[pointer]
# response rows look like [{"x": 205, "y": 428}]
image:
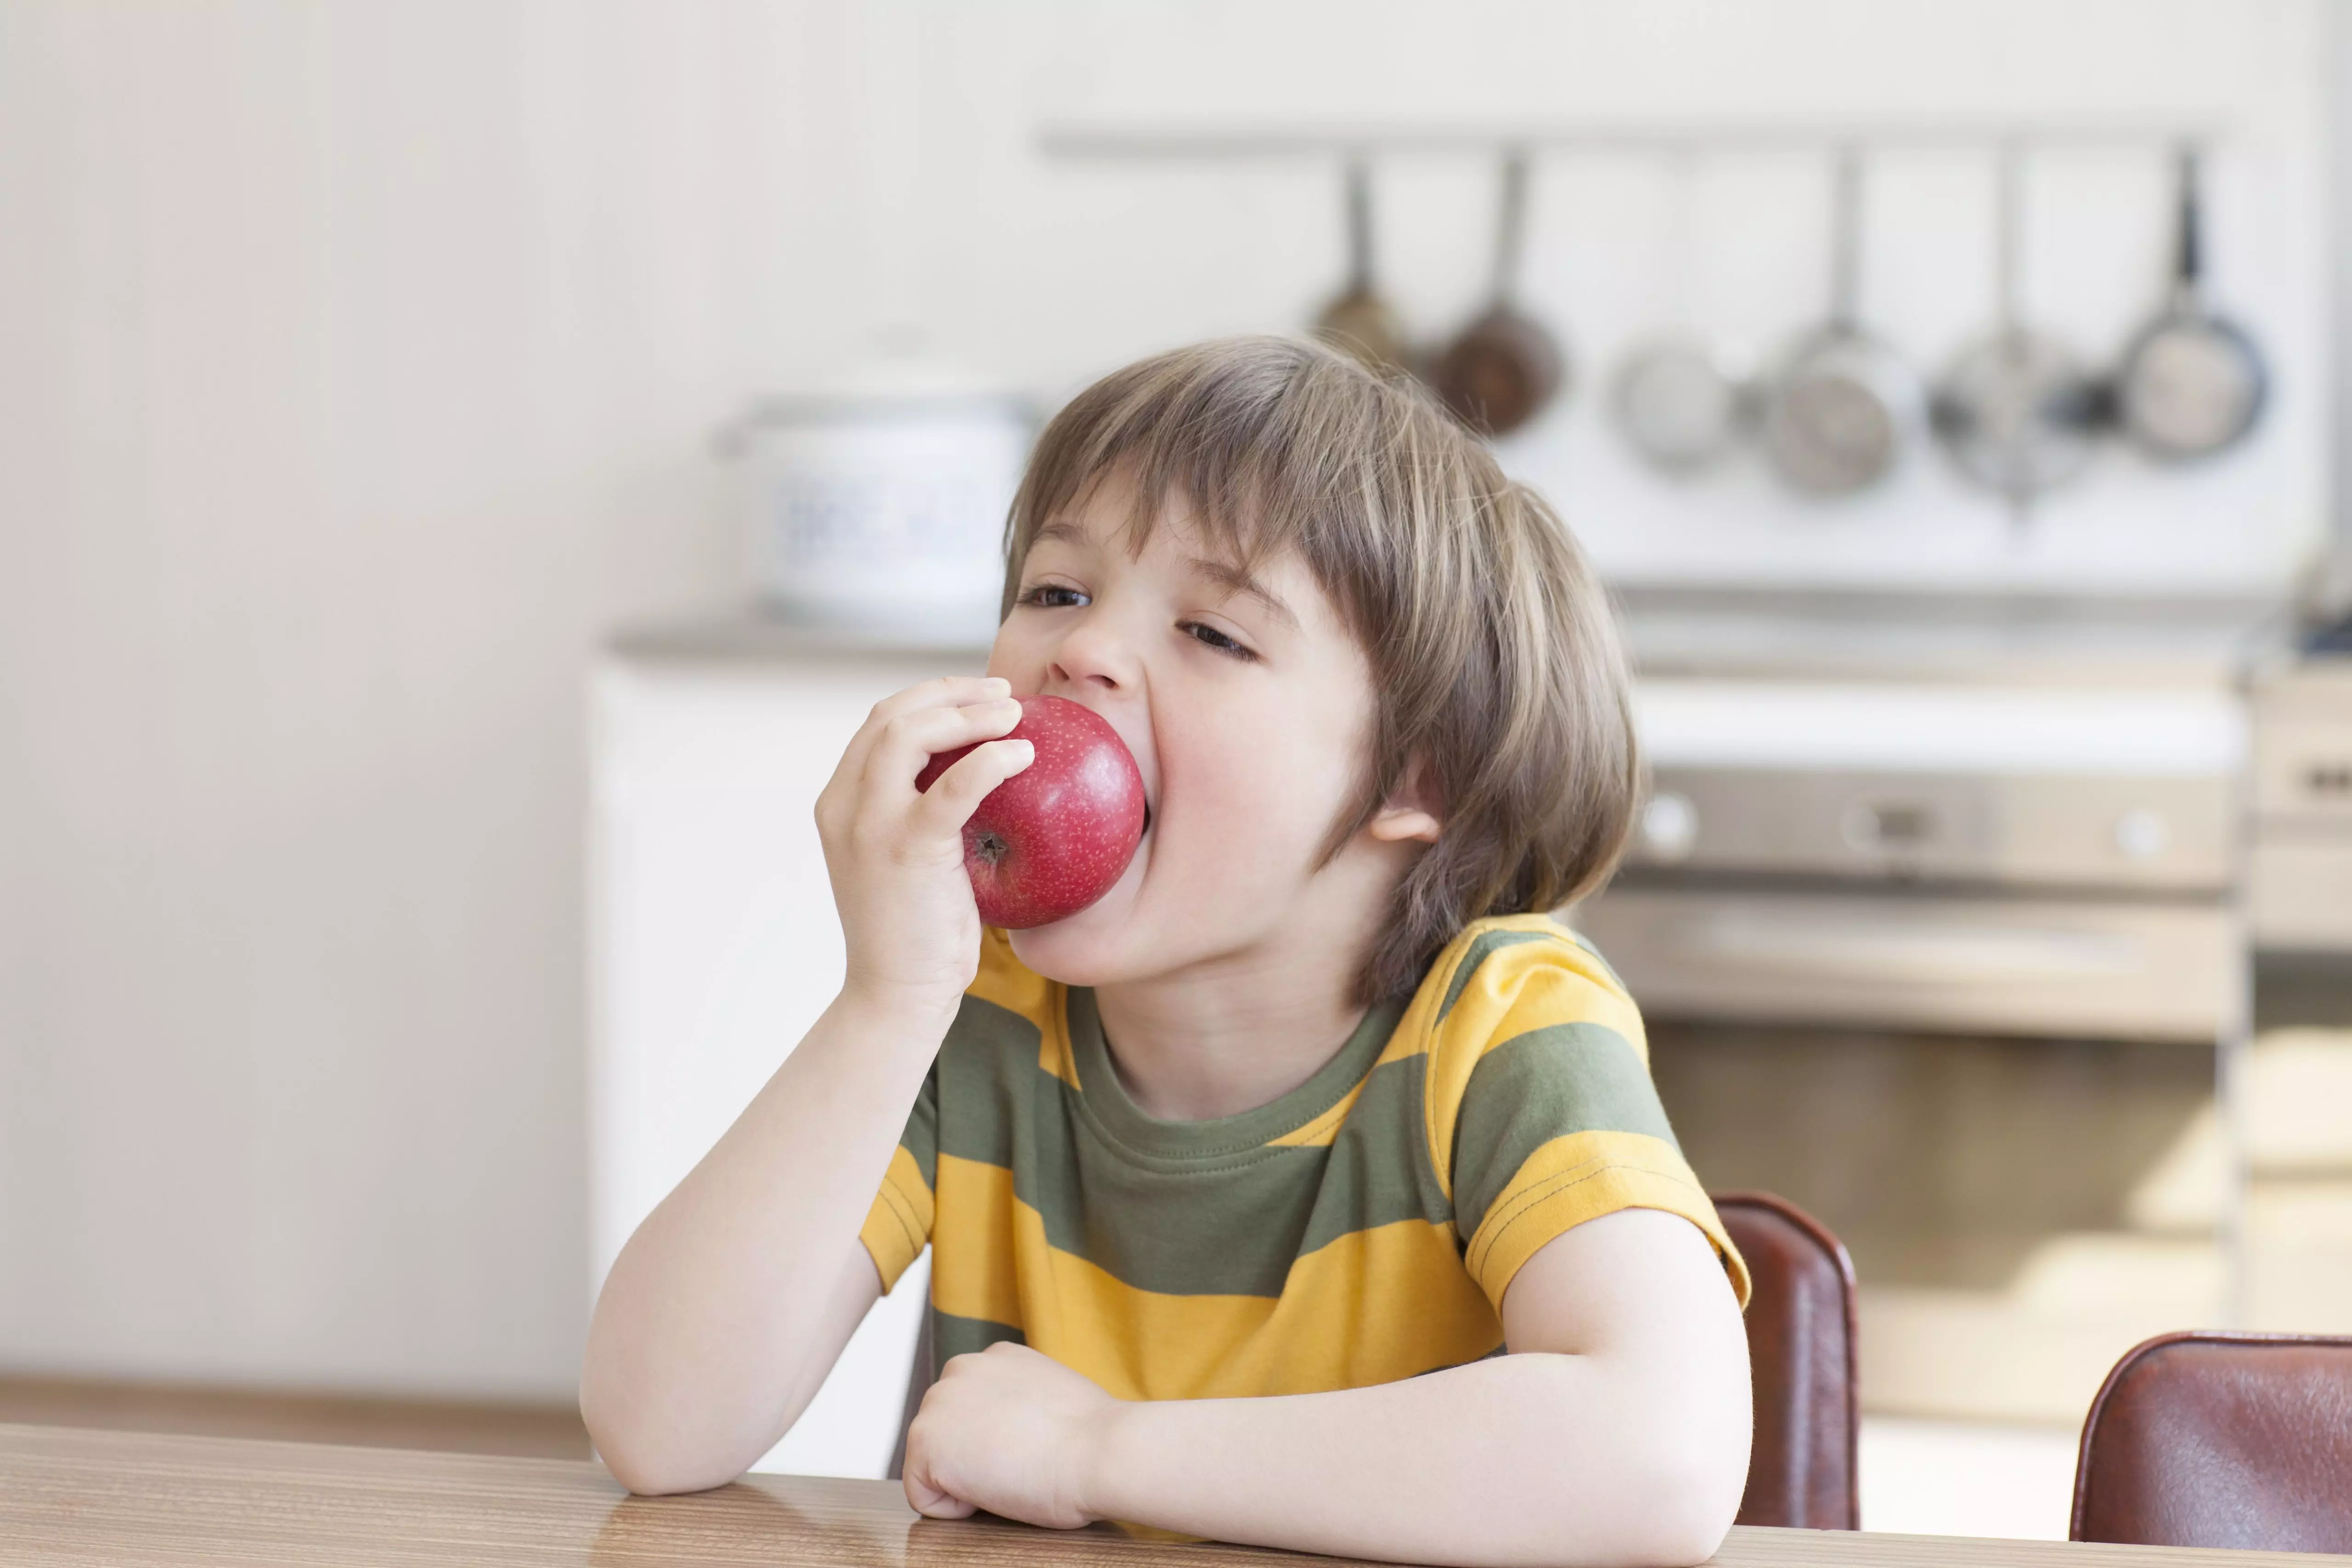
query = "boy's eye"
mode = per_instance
[
  {"x": 1053, "y": 596},
  {"x": 1216, "y": 639}
]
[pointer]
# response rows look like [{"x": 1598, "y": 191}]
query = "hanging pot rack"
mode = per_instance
[{"x": 1080, "y": 141}]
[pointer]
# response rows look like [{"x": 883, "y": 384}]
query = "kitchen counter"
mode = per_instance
[
  {"x": 1789, "y": 635},
  {"x": 128, "y": 1500}
]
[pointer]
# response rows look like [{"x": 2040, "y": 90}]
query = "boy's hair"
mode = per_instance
[{"x": 1495, "y": 657}]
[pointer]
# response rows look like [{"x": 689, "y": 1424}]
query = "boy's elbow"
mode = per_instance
[
  {"x": 642, "y": 1458},
  {"x": 1688, "y": 1487},
  {"x": 649, "y": 1469},
  {"x": 1686, "y": 1527}
]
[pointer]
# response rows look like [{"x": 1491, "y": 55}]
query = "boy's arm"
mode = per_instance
[
  {"x": 1617, "y": 1431},
  {"x": 725, "y": 1310}
]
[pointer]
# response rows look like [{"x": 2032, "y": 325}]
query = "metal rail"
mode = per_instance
[{"x": 1175, "y": 143}]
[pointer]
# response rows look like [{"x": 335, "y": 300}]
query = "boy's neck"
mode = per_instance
[{"x": 1219, "y": 1038}]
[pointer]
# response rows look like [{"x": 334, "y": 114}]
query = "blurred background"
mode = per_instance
[{"x": 465, "y": 469}]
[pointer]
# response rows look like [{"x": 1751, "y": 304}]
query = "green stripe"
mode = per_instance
[
  {"x": 955, "y": 1336},
  {"x": 1232, "y": 1225},
  {"x": 1542, "y": 1085},
  {"x": 922, "y": 1138},
  {"x": 986, "y": 1071},
  {"x": 1481, "y": 946}
]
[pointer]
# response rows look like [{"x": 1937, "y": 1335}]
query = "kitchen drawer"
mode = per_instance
[
  {"x": 2072, "y": 968},
  {"x": 2302, "y": 886},
  {"x": 2302, "y": 743}
]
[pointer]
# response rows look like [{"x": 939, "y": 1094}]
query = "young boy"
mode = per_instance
[{"x": 1246, "y": 1178}]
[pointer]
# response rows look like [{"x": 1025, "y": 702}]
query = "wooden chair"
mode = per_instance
[
  {"x": 1801, "y": 1346},
  {"x": 1800, "y": 1352},
  {"x": 2229, "y": 1440}
]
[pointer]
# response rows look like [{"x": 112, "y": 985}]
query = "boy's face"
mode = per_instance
[{"x": 1249, "y": 706}]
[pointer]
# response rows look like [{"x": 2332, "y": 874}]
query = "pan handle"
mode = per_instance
[
  {"x": 2189, "y": 245},
  {"x": 1511, "y": 225},
  {"x": 1845, "y": 239},
  {"x": 1360, "y": 226}
]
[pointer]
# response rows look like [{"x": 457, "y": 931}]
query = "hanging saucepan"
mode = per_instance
[
  {"x": 2192, "y": 382},
  {"x": 1359, "y": 321},
  {"x": 1679, "y": 400},
  {"x": 2016, "y": 410},
  {"x": 1506, "y": 365},
  {"x": 1842, "y": 406},
  {"x": 1680, "y": 404}
]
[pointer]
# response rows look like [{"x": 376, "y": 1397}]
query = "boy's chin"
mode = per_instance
[{"x": 1087, "y": 949}]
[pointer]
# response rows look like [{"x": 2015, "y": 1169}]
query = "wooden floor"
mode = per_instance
[{"x": 534, "y": 1431}]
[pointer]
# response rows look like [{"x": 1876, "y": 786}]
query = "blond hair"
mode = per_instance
[{"x": 1495, "y": 657}]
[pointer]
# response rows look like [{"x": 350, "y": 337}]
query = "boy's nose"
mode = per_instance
[{"x": 1094, "y": 655}]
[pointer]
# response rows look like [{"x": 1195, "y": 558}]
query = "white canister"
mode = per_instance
[{"x": 883, "y": 510}]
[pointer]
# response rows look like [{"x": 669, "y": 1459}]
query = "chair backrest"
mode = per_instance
[
  {"x": 1801, "y": 1345},
  {"x": 2222, "y": 1440},
  {"x": 1800, "y": 1348}
]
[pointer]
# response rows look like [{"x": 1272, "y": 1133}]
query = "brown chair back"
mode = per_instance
[
  {"x": 1800, "y": 1344},
  {"x": 2222, "y": 1440}
]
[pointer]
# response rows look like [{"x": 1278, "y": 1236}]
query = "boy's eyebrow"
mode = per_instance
[
  {"x": 1059, "y": 528},
  {"x": 1227, "y": 575}
]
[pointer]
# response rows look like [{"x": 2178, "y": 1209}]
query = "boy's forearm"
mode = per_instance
[
  {"x": 1551, "y": 1459},
  {"x": 704, "y": 1340}
]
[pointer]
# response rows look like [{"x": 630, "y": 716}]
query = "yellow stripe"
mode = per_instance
[
  {"x": 1580, "y": 1177},
  {"x": 1373, "y": 1306},
  {"x": 1013, "y": 985},
  {"x": 899, "y": 1221},
  {"x": 972, "y": 1267}
]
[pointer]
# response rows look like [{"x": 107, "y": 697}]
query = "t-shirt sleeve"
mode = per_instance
[
  {"x": 1541, "y": 1068},
  {"x": 898, "y": 1224}
]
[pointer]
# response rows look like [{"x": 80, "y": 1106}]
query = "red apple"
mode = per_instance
[{"x": 1052, "y": 838}]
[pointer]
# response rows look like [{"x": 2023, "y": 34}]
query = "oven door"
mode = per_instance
[{"x": 1995, "y": 1101}]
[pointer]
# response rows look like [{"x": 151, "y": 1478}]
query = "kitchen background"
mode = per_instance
[{"x": 372, "y": 573}]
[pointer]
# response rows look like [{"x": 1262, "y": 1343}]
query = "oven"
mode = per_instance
[{"x": 1959, "y": 966}]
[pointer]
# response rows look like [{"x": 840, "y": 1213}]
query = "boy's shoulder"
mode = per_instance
[{"x": 1501, "y": 967}]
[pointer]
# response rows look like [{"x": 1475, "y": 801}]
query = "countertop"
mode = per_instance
[
  {"x": 1791, "y": 635},
  {"x": 127, "y": 1500}
]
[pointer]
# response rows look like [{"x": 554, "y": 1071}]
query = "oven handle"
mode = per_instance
[{"x": 1948, "y": 953}]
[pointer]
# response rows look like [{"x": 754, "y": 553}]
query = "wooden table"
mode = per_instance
[{"x": 124, "y": 1498}]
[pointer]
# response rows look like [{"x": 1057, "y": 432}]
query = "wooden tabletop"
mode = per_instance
[{"x": 125, "y": 1499}]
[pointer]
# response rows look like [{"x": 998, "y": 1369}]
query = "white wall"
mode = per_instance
[{"x": 356, "y": 363}]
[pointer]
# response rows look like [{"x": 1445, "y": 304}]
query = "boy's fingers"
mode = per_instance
[
  {"x": 946, "y": 691},
  {"x": 955, "y": 794},
  {"x": 923, "y": 1495},
  {"x": 906, "y": 741}
]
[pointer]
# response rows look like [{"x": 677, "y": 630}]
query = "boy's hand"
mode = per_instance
[
  {"x": 895, "y": 854},
  {"x": 1010, "y": 1431}
]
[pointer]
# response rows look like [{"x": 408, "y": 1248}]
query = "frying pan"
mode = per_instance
[
  {"x": 2192, "y": 382},
  {"x": 1359, "y": 321},
  {"x": 1678, "y": 401},
  {"x": 1842, "y": 406},
  {"x": 1506, "y": 365},
  {"x": 2015, "y": 409}
]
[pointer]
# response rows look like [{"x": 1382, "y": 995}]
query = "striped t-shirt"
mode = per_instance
[{"x": 1361, "y": 1228}]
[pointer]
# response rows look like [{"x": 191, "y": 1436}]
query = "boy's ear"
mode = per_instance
[{"x": 1412, "y": 810}]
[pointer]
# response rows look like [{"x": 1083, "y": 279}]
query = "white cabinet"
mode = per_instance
[{"x": 715, "y": 944}]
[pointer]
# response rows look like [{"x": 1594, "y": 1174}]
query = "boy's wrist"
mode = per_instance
[
  {"x": 894, "y": 1011},
  {"x": 1105, "y": 1461}
]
